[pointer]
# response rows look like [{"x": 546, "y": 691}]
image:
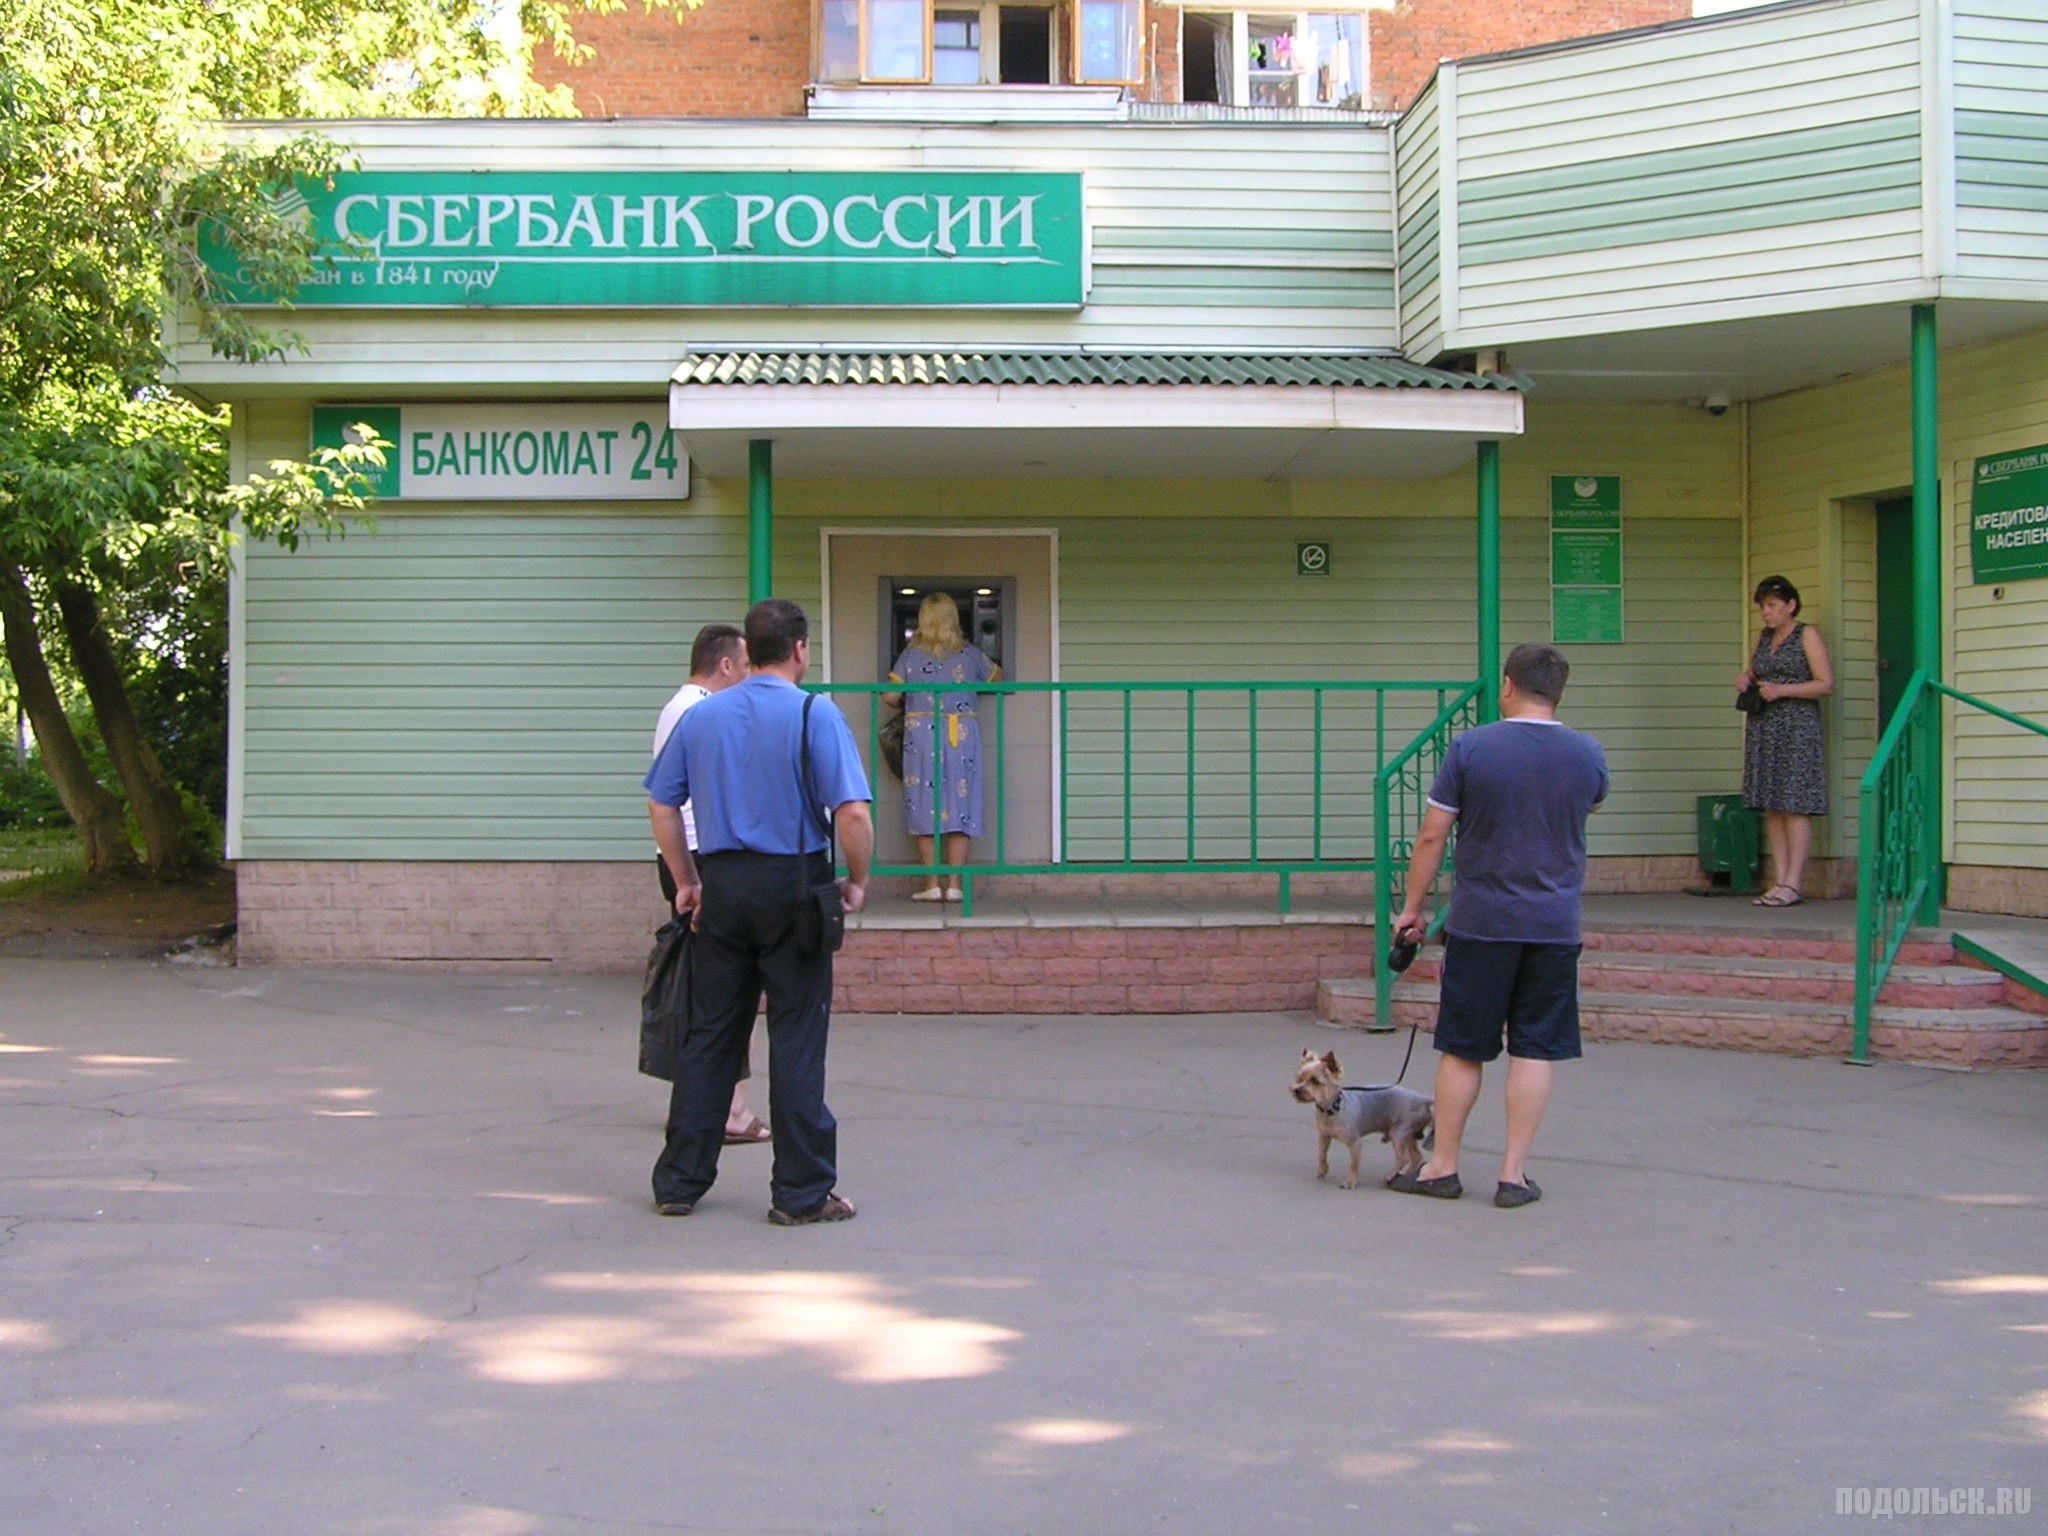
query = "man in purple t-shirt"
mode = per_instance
[{"x": 1519, "y": 792}]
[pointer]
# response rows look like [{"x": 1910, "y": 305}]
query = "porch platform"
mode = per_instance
[
  {"x": 1671, "y": 968},
  {"x": 2021, "y": 940}
]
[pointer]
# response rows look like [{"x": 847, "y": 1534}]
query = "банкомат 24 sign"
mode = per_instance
[{"x": 590, "y": 240}]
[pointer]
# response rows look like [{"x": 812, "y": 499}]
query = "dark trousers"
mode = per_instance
[{"x": 746, "y": 941}]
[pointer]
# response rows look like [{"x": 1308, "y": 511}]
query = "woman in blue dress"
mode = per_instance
[{"x": 941, "y": 724}]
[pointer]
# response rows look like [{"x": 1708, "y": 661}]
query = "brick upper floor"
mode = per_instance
[{"x": 758, "y": 58}]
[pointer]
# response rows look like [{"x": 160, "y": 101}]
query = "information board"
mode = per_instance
[
  {"x": 2009, "y": 517},
  {"x": 601, "y": 450},
  {"x": 1585, "y": 560}
]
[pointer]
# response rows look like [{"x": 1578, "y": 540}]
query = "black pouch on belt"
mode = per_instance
[{"x": 821, "y": 916}]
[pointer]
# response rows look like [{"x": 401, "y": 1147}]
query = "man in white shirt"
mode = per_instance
[{"x": 718, "y": 659}]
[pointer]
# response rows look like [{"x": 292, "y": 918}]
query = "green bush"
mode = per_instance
[{"x": 28, "y": 799}]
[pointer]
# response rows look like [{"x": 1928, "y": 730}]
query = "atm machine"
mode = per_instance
[{"x": 988, "y": 614}]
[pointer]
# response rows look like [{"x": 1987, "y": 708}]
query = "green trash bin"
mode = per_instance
[{"x": 1729, "y": 842}]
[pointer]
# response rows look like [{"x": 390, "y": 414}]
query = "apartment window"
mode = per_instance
[
  {"x": 1024, "y": 48},
  {"x": 839, "y": 41},
  {"x": 1106, "y": 47},
  {"x": 1269, "y": 59},
  {"x": 898, "y": 42},
  {"x": 956, "y": 48},
  {"x": 895, "y": 40}
]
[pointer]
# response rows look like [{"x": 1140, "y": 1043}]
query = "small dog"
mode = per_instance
[{"x": 1398, "y": 1115}]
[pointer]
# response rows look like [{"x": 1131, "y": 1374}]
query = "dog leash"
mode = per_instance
[
  {"x": 1400, "y": 955},
  {"x": 1398, "y": 1076}
]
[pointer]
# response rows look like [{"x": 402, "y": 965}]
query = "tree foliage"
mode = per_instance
[{"x": 116, "y": 507}]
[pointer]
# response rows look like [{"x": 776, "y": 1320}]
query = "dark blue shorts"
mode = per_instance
[{"x": 1531, "y": 989}]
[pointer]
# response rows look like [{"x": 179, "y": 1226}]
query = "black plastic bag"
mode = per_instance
[{"x": 665, "y": 1000}]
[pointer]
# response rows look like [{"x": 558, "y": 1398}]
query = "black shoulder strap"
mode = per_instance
[{"x": 810, "y": 789}]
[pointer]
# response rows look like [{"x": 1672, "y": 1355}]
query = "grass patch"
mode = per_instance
[{"x": 38, "y": 860}]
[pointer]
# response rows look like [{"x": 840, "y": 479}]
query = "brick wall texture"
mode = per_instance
[
  {"x": 726, "y": 58},
  {"x": 1408, "y": 42},
  {"x": 752, "y": 58}
]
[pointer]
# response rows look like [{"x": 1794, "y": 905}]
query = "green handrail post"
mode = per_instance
[
  {"x": 1898, "y": 870},
  {"x": 760, "y": 519},
  {"x": 1251, "y": 704},
  {"x": 1127, "y": 776},
  {"x": 1066, "y": 847},
  {"x": 1002, "y": 800},
  {"x": 1382, "y": 902},
  {"x": 1316, "y": 743},
  {"x": 1891, "y": 871},
  {"x": 1927, "y": 588},
  {"x": 1489, "y": 581},
  {"x": 1191, "y": 775},
  {"x": 1385, "y": 848}
]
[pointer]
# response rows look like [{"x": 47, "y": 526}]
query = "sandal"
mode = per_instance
[
  {"x": 1771, "y": 898},
  {"x": 754, "y": 1130},
  {"x": 835, "y": 1208}
]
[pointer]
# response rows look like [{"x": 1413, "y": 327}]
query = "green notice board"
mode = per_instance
[
  {"x": 1585, "y": 559},
  {"x": 2009, "y": 517}
]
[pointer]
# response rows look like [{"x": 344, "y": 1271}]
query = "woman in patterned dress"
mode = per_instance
[
  {"x": 1784, "y": 772},
  {"x": 938, "y": 654}
]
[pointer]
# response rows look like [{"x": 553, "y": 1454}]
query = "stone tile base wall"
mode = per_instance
[
  {"x": 579, "y": 917},
  {"x": 1252, "y": 968},
  {"x": 2011, "y": 892},
  {"x": 600, "y": 917}
]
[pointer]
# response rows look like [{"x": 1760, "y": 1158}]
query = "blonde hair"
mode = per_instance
[{"x": 938, "y": 625}]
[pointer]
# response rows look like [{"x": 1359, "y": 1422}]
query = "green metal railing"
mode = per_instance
[
  {"x": 1177, "y": 777},
  {"x": 1898, "y": 855},
  {"x": 1400, "y": 796}
]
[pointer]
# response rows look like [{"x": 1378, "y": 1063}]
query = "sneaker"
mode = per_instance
[{"x": 674, "y": 1207}]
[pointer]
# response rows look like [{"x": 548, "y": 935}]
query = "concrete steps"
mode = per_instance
[{"x": 1780, "y": 994}]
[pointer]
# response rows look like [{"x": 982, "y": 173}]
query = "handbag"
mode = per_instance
[
  {"x": 665, "y": 999},
  {"x": 821, "y": 915},
  {"x": 890, "y": 740},
  {"x": 1751, "y": 700}
]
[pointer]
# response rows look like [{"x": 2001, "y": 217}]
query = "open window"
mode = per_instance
[{"x": 1273, "y": 59}]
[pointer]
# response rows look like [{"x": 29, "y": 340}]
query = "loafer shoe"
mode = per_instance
[{"x": 1445, "y": 1187}]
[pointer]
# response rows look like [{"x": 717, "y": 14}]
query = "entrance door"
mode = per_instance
[
  {"x": 1894, "y": 604},
  {"x": 1004, "y": 582}
]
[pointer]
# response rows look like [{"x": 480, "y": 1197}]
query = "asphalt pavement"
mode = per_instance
[{"x": 295, "y": 1252}]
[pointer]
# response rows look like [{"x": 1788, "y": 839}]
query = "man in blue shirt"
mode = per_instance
[
  {"x": 738, "y": 759},
  {"x": 1519, "y": 792}
]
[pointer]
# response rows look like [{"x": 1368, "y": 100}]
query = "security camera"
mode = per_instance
[{"x": 1716, "y": 404}]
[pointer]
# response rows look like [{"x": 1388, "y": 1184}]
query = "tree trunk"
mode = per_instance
[
  {"x": 168, "y": 842},
  {"x": 95, "y": 812}
]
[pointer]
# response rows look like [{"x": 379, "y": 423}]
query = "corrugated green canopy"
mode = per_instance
[{"x": 1339, "y": 371}]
